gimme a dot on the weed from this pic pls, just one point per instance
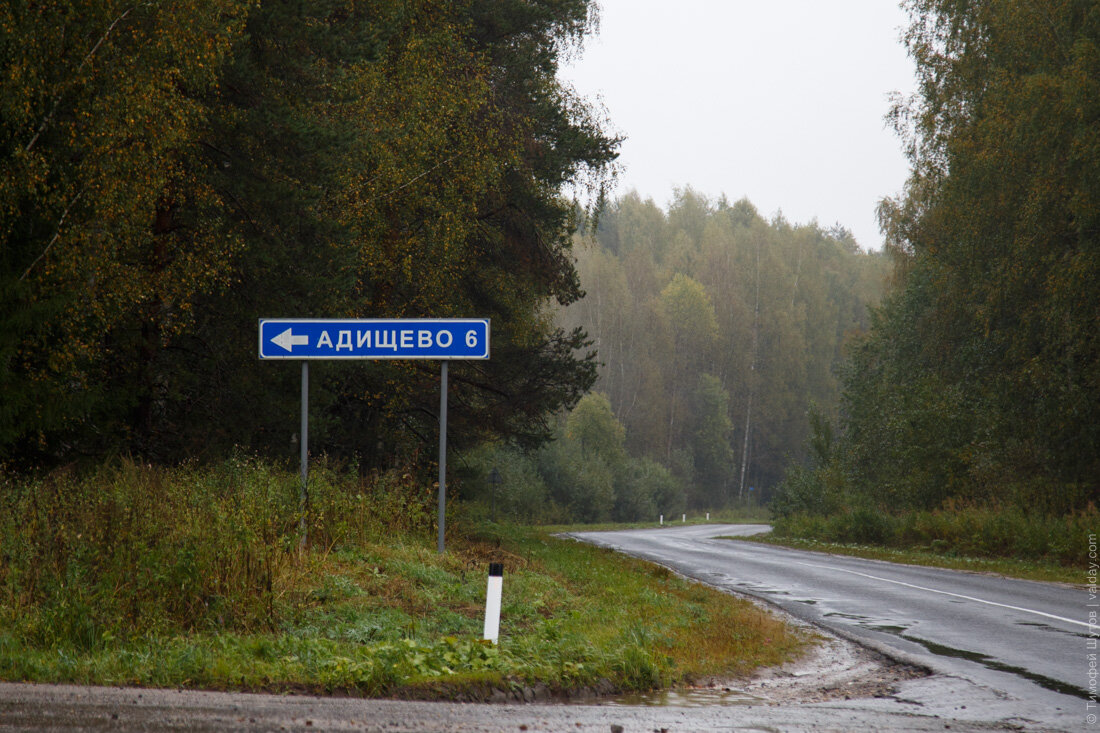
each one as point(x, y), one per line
point(956, 530)
point(193, 576)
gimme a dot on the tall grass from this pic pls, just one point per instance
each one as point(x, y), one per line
point(978, 531)
point(135, 550)
point(194, 576)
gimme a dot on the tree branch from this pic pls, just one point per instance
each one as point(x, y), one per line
point(57, 100)
point(56, 234)
point(411, 181)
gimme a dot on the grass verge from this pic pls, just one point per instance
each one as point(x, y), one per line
point(193, 578)
point(989, 538)
point(1011, 568)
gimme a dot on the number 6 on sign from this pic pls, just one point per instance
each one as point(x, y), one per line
point(374, 338)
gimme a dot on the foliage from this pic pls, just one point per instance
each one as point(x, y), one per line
point(193, 577)
point(584, 475)
point(674, 299)
point(134, 549)
point(521, 494)
point(173, 174)
point(978, 382)
point(711, 432)
point(593, 427)
point(582, 482)
point(111, 227)
point(958, 530)
point(645, 489)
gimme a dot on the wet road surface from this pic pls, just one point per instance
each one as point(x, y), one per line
point(1019, 649)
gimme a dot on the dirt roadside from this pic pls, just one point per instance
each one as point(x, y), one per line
point(835, 669)
point(827, 690)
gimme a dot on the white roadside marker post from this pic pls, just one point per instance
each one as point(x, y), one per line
point(492, 602)
point(662, 520)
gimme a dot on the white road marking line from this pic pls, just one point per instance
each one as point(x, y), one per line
point(954, 595)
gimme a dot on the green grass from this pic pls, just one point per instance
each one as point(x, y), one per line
point(997, 539)
point(1010, 568)
point(192, 577)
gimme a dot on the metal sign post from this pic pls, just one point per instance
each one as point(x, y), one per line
point(303, 492)
point(444, 339)
point(442, 453)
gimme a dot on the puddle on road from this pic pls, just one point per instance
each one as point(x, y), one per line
point(990, 663)
point(689, 698)
point(889, 626)
point(1047, 627)
point(982, 659)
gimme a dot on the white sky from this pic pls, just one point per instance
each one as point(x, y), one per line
point(779, 101)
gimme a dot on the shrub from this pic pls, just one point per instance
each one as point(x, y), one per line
point(521, 494)
point(980, 531)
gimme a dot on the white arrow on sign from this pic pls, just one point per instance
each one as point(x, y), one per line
point(288, 341)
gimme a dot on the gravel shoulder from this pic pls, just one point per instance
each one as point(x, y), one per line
point(70, 708)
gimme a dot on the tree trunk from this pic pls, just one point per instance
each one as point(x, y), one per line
point(752, 378)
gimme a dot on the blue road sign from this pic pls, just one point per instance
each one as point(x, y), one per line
point(374, 338)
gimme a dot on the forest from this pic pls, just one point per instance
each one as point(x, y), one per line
point(977, 390)
point(719, 334)
point(172, 172)
point(964, 409)
point(165, 190)
point(175, 171)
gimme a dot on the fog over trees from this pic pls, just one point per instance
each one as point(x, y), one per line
point(174, 172)
point(717, 330)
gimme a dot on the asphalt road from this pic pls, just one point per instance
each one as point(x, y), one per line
point(1015, 652)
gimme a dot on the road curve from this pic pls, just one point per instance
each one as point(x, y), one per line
point(1016, 651)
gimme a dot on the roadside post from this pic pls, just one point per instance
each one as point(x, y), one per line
point(492, 602)
point(441, 339)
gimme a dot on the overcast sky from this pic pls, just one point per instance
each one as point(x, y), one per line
point(779, 101)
